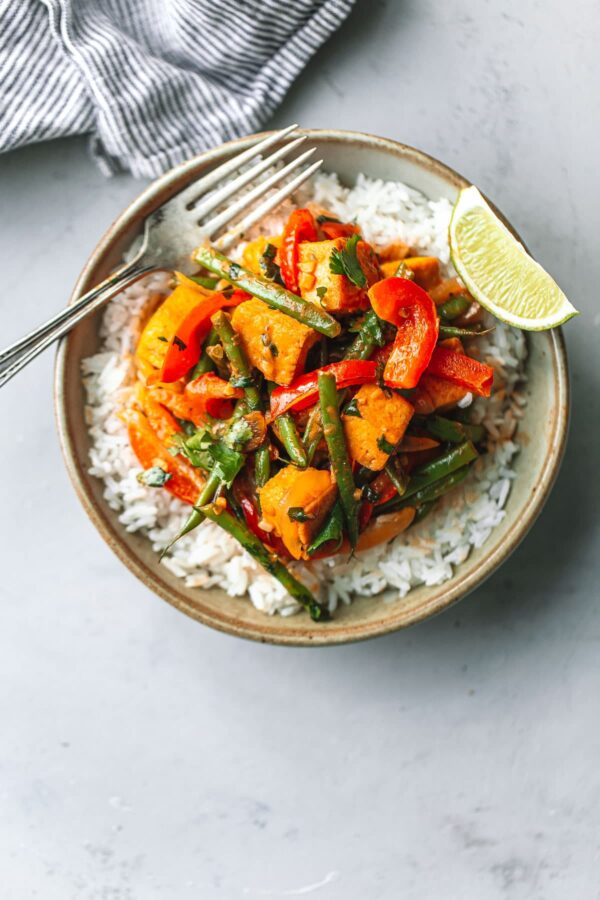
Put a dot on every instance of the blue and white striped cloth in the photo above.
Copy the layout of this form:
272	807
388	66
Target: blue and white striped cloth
152	81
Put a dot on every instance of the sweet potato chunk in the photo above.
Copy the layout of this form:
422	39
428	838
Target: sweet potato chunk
426	270
162	325
382	422
315	278
309	494
274	343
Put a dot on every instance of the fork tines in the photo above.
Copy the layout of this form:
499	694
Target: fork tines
193	196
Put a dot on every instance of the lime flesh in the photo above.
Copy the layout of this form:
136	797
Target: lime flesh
499	272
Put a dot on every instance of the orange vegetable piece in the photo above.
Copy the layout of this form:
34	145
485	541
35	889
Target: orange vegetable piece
426	270
274	343
186	482
311	490
340	294
383	419
450	287
385	527
162	325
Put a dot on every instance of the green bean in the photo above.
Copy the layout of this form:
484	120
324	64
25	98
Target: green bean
262	465
255	547
237	357
453	432
205	363
338	452
454	307
456	457
397	476
313	433
423	510
270	293
426	494
241	368
288	435
196	517
448	331
362	347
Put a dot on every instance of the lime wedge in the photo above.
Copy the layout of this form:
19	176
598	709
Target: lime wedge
499	272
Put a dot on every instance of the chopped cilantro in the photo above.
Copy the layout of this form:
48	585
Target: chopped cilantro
227	462
352	409
345	262
238	435
181	345
297	514
370	494
321	291
332	530
154	477
384	445
161	337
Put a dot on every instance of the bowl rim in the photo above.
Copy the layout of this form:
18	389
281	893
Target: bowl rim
312	635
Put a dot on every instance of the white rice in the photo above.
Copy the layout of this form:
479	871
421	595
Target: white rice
425	554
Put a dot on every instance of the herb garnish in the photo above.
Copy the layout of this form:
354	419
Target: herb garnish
345	262
267	264
321	291
297	514
154	477
181	345
352	409
384	445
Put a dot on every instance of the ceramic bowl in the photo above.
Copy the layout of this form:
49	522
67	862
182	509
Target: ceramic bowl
542	434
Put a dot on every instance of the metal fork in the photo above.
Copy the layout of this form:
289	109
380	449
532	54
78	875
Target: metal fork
173	230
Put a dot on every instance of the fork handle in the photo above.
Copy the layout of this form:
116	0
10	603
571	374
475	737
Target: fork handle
22	352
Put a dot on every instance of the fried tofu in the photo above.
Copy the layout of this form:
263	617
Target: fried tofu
383	418
335	293
309	494
274	343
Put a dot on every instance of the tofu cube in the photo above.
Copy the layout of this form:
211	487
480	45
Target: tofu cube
383	418
274	343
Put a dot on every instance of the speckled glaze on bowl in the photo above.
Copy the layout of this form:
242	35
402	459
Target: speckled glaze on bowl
542	433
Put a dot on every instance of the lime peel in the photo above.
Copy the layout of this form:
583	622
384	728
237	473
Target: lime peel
498	271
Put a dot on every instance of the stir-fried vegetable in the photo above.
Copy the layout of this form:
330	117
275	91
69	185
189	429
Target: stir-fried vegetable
271	293
411	309
318	334
338	452
254	546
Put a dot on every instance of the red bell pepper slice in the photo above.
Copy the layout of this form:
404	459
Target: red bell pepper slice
213	395
300	227
411	309
185	346
462	370
303	392
332	230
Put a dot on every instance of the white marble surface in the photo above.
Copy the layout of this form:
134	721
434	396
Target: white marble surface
144	757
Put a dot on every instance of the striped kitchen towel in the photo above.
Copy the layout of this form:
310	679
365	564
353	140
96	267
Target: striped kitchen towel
152	81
